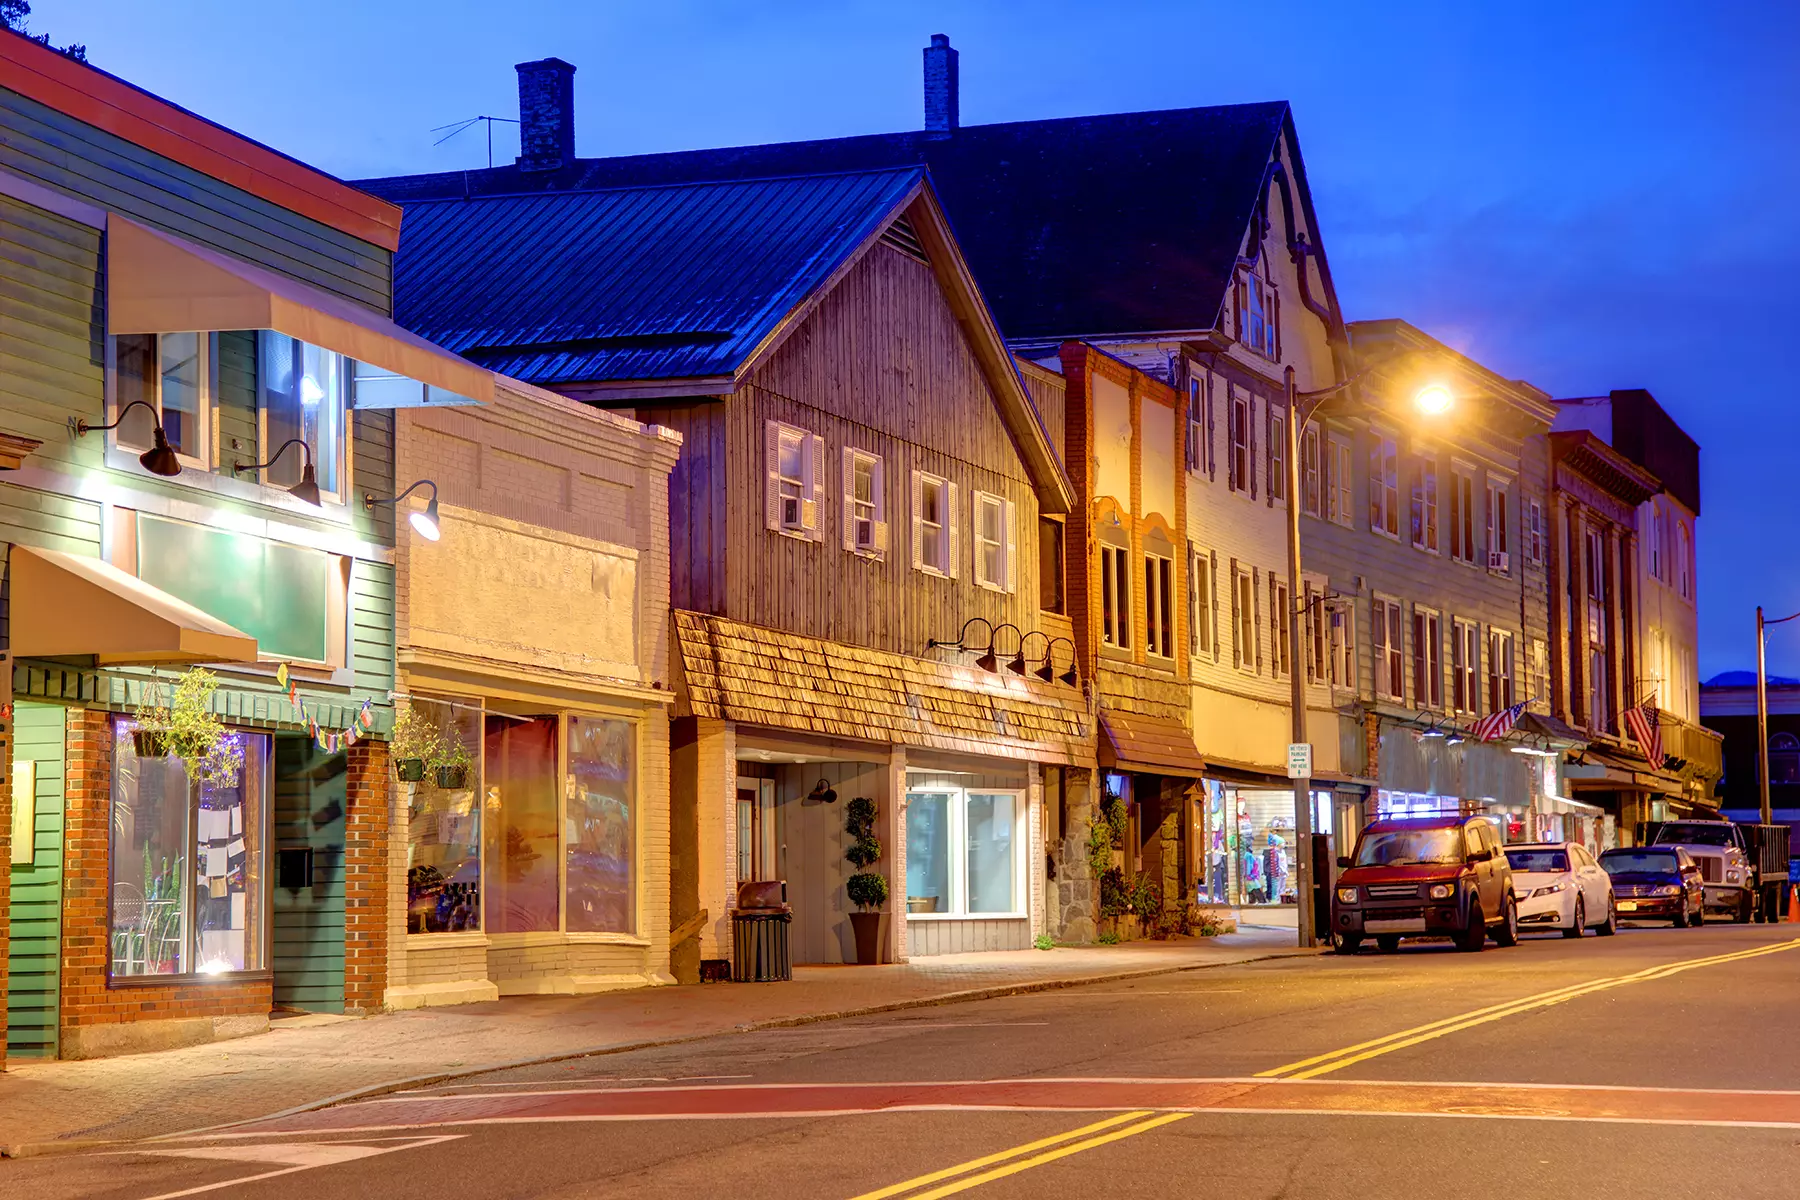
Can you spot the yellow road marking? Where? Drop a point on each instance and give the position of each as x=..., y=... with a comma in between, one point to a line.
x=963, y=1185
x=975, y=1164
x=1320, y=1064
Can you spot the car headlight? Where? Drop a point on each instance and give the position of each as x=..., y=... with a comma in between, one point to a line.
x=1669, y=889
x=1347, y=895
x=1442, y=891
x=1551, y=889
x=1732, y=876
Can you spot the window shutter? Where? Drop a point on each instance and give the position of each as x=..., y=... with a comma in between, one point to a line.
x=1250, y=434
x=1193, y=600
x=849, y=461
x=918, y=530
x=881, y=538
x=1275, y=315
x=1237, y=298
x=1212, y=459
x=952, y=528
x=772, y=474
x=1256, y=617
x=1237, y=620
x=1012, y=547
x=1211, y=600
x=811, y=509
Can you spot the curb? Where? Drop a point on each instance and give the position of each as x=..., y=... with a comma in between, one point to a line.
x=996, y=991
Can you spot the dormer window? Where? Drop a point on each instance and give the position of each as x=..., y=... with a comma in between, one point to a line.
x=1259, y=316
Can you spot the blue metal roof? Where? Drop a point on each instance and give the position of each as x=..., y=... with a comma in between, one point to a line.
x=674, y=281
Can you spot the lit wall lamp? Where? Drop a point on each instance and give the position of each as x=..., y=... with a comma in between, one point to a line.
x=1046, y=671
x=426, y=523
x=307, y=489
x=962, y=637
x=989, y=661
x=159, y=459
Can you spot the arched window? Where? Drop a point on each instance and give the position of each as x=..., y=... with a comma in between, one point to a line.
x=1784, y=758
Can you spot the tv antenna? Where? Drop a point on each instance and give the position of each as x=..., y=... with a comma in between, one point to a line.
x=456, y=127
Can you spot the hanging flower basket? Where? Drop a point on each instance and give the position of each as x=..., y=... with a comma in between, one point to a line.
x=451, y=777
x=410, y=770
x=183, y=725
x=147, y=743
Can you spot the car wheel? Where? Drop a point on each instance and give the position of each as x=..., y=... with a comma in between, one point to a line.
x=1611, y=925
x=1743, y=910
x=1387, y=943
x=1681, y=918
x=1699, y=917
x=1580, y=925
x=1346, y=943
x=1508, y=932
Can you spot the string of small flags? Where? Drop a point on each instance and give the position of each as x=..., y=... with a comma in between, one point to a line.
x=328, y=740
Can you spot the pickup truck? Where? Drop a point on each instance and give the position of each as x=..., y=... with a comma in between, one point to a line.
x=1744, y=867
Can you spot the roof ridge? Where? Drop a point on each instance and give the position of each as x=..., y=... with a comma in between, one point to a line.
x=675, y=185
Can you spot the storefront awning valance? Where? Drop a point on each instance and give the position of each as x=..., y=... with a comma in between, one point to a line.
x=1154, y=745
x=159, y=283
x=65, y=604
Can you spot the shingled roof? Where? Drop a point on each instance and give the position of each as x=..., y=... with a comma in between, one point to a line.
x=1081, y=227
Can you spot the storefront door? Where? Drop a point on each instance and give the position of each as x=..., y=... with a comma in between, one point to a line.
x=308, y=950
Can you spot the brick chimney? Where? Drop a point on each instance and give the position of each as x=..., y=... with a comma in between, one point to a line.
x=546, y=114
x=941, y=87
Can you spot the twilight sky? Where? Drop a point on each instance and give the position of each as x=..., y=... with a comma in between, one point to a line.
x=1585, y=195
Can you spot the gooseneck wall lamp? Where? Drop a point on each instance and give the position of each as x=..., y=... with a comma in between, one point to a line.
x=159, y=459
x=988, y=656
x=425, y=523
x=307, y=489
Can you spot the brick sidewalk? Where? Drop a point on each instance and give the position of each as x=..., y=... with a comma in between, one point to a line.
x=307, y=1061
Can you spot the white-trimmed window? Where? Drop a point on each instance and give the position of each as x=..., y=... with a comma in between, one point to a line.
x=1424, y=479
x=996, y=546
x=865, y=504
x=1500, y=670
x=1259, y=315
x=1462, y=513
x=1196, y=426
x=1684, y=561
x=1540, y=674
x=1343, y=643
x=1499, y=521
x=934, y=532
x=1159, y=605
x=1310, y=474
x=965, y=852
x=1339, y=493
x=303, y=392
x=1427, y=658
x=1537, y=533
x=1115, y=597
x=1313, y=623
x=1389, y=648
x=1465, y=665
x=172, y=372
x=1277, y=456
x=1281, y=659
x=1243, y=620
x=1240, y=465
x=1203, y=604
x=793, y=480
x=1384, y=485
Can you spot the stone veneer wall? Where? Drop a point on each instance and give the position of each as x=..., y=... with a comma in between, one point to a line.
x=1076, y=890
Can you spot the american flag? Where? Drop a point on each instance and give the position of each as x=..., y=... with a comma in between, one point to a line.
x=1646, y=729
x=1497, y=725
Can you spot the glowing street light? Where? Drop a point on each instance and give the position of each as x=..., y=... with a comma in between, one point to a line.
x=1434, y=399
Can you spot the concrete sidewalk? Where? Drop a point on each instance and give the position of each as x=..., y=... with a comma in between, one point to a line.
x=314, y=1060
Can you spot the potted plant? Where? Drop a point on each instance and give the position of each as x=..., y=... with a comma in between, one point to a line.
x=186, y=728
x=450, y=762
x=868, y=890
x=412, y=744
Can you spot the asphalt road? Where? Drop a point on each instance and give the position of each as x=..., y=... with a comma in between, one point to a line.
x=1657, y=1063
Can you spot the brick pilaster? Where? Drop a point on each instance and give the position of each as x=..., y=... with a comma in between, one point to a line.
x=365, y=877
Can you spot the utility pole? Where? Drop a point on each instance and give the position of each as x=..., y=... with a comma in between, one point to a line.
x=1762, y=718
x=1303, y=807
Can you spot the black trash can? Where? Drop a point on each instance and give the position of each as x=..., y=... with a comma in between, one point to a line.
x=759, y=933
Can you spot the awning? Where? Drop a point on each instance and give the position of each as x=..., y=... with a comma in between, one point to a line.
x=1153, y=745
x=65, y=604
x=159, y=283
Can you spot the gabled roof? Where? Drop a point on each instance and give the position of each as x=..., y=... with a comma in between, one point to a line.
x=1128, y=223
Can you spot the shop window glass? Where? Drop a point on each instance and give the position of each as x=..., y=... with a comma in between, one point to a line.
x=928, y=853
x=187, y=863
x=520, y=811
x=443, y=849
x=990, y=853
x=304, y=395
x=601, y=830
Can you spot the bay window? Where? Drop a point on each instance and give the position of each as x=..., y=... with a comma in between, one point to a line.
x=188, y=882
x=964, y=852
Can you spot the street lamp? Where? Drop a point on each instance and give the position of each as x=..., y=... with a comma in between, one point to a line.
x=1762, y=711
x=1433, y=399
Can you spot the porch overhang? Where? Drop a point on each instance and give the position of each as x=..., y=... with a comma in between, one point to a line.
x=159, y=283
x=1151, y=745
x=67, y=605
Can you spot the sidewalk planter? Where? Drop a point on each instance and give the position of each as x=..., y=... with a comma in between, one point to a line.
x=870, y=929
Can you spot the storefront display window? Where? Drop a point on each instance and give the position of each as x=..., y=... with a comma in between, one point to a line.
x=187, y=864
x=1251, y=843
x=520, y=812
x=443, y=851
x=600, y=821
x=962, y=852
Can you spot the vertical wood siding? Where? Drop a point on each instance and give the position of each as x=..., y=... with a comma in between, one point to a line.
x=36, y=910
x=308, y=925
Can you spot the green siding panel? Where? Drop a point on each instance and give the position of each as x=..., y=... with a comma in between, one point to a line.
x=36, y=908
x=308, y=927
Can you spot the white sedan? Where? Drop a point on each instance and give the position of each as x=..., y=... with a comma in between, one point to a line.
x=1560, y=886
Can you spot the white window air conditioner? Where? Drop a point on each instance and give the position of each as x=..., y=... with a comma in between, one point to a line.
x=1499, y=560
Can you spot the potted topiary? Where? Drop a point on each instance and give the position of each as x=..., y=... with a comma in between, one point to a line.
x=450, y=762
x=413, y=742
x=868, y=890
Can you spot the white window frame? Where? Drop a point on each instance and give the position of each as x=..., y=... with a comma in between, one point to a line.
x=1465, y=665
x=205, y=418
x=1159, y=605
x=1115, y=596
x=806, y=491
x=1427, y=657
x=865, y=521
x=1259, y=316
x=1384, y=485
x=1338, y=482
x=1006, y=547
x=346, y=432
x=1312, y=476
x=1244, y=648
x=1281, y=650
x=958, y=843
x=948, y=537
x=1462, y=512
x=1387, y=647
x=1540, y=674
x=1342, y=637
x=1537, y=536
x=1240, y=457
x=1422, y=503
x=1315, y=620
x=1203, y=604
x=1684, y=559
x=1276, y=468
x=1502, y=669
x=1499, y=524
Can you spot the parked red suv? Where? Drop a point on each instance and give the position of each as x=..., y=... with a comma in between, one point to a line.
x=1425, y=877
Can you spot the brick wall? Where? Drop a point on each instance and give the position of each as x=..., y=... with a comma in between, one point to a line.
x=366, y=877
x=86, y=1000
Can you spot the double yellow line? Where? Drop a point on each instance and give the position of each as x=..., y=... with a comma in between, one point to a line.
x=1031, y=1154
x=1321, y=1064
